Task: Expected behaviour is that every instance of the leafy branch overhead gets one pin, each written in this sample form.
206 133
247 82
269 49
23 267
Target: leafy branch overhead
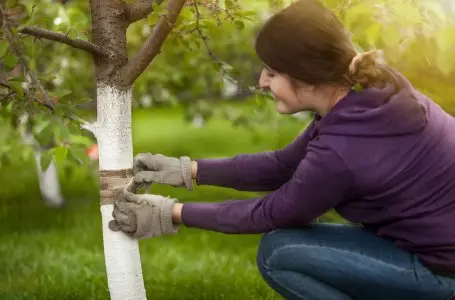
46 101
62 38
134 12
152 46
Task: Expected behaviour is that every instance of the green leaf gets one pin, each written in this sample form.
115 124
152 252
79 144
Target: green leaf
11 3
17 87
79 155
74 129
229 4
44 136
239 24
17 79
81 140
10 60
62 93
60 154
4 45
63 134
45 159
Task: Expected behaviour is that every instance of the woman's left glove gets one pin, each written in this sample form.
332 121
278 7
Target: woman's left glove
143 215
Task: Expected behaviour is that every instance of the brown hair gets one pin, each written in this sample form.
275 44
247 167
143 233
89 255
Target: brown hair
308 42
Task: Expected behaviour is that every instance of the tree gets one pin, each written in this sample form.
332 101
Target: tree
115 74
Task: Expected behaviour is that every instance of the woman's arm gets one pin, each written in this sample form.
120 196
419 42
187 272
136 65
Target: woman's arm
321 182
254 172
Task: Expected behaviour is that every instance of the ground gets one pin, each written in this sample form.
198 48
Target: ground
48 253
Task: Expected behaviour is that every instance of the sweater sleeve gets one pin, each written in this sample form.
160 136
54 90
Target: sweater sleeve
265 171
320 182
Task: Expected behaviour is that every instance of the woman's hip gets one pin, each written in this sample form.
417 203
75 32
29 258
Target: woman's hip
353 260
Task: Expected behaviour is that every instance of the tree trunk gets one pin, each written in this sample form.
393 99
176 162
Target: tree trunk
114 135
115 75
48 182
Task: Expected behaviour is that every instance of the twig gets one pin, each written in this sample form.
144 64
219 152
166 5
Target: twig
141 9
152 46
5 84
202 35
227 12
47 102
63 38
8 95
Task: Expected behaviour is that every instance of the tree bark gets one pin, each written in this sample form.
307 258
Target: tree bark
110 20
114 135
48 182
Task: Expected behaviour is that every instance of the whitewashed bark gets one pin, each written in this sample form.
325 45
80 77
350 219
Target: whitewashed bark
114 135
48 182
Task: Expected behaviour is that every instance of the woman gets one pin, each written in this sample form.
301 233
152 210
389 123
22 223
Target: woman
381 156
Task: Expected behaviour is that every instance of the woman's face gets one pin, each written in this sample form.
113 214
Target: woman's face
289 99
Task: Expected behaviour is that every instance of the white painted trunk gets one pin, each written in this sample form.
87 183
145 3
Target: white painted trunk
114 135
48 182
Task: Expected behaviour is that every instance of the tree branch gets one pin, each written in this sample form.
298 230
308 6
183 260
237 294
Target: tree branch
62 38
47 102
141 9
5 84
202 35
151 47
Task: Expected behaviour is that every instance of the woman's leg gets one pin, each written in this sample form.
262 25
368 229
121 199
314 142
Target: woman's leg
331 261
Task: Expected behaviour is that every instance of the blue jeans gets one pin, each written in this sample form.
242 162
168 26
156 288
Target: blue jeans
332 261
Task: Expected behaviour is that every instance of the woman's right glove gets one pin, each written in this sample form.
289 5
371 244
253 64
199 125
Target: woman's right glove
149 168
143 215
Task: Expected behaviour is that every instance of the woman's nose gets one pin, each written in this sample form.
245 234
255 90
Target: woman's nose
264 80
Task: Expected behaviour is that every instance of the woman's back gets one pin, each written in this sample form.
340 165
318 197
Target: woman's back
400 151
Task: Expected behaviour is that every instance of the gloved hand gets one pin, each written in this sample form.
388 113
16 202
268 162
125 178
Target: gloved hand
149 168
143 215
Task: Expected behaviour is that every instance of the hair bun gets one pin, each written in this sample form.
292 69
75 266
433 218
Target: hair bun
367 68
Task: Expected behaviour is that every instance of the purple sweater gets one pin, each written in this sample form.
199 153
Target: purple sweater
381 158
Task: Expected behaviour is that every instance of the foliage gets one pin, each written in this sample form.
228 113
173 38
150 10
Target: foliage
209 53
417 37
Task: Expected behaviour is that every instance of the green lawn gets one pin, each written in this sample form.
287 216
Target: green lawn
50 253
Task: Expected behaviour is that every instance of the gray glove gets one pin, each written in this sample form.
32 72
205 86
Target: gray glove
149 168
144 215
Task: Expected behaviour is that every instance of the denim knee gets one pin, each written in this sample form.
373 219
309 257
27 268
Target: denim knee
264 251
267 246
